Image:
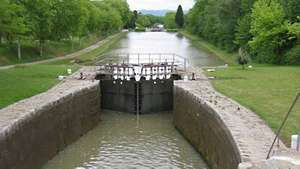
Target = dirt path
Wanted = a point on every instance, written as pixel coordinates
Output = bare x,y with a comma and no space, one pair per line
69,56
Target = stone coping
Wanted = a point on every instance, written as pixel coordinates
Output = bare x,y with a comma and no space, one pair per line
13,115
252,135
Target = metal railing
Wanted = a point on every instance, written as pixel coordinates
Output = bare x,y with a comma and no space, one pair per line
282,125
142,58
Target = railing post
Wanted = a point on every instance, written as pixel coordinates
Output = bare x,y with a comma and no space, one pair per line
184,64
160,58
128,58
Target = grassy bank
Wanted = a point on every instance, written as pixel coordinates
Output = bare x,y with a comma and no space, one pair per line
30,49
22,82
267,90
106,46
25,81
229,58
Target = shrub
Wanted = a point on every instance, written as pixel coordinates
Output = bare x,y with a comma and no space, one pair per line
293,55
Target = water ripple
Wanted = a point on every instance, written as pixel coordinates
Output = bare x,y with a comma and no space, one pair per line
123,143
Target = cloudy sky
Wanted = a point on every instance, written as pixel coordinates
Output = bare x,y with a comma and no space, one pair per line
160,4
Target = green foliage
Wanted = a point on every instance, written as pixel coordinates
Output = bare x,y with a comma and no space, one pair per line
269,30
243,57
215,21
293,55
143,21
169,20
266,29
57,20
179,18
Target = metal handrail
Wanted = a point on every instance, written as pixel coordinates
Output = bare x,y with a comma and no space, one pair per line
143,58
283,123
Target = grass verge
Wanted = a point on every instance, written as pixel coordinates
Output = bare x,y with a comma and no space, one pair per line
106,46
30,50
23,82
229,58
267,90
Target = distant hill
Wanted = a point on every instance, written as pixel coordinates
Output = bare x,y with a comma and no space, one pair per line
155,12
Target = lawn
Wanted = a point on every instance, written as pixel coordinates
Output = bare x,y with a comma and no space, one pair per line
25,81
268,90
227,57
30,50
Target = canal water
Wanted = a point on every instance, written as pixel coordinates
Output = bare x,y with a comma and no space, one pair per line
162,42
123,141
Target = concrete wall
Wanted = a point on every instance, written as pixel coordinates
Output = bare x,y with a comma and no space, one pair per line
202,126
36,129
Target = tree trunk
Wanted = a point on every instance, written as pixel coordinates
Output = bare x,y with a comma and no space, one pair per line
79,42
72,41
41,48
19,50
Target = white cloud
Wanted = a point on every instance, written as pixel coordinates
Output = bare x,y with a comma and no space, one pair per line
160,4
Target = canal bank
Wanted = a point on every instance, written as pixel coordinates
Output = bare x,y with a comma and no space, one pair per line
211,122
34,130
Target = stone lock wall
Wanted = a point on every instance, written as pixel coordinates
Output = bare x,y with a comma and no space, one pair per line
201,125
36,129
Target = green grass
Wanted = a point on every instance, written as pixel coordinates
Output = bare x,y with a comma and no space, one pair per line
90,56
229,58
30,50
268,90
25,81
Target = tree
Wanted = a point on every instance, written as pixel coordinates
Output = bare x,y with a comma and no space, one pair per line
179,18
269,31
169,20
41,16
13,23
133,19
243,57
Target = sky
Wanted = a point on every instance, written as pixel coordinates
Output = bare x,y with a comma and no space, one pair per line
160,4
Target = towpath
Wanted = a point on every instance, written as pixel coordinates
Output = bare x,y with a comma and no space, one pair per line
69,56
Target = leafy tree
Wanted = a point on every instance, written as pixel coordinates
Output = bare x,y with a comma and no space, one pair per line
133,19
41,15
179,18
169,20
269,30
243,57
13,23
291,9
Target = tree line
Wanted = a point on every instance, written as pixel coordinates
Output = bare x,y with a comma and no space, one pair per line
268,31
55,20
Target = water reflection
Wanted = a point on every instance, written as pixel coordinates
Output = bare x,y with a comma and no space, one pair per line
163,42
